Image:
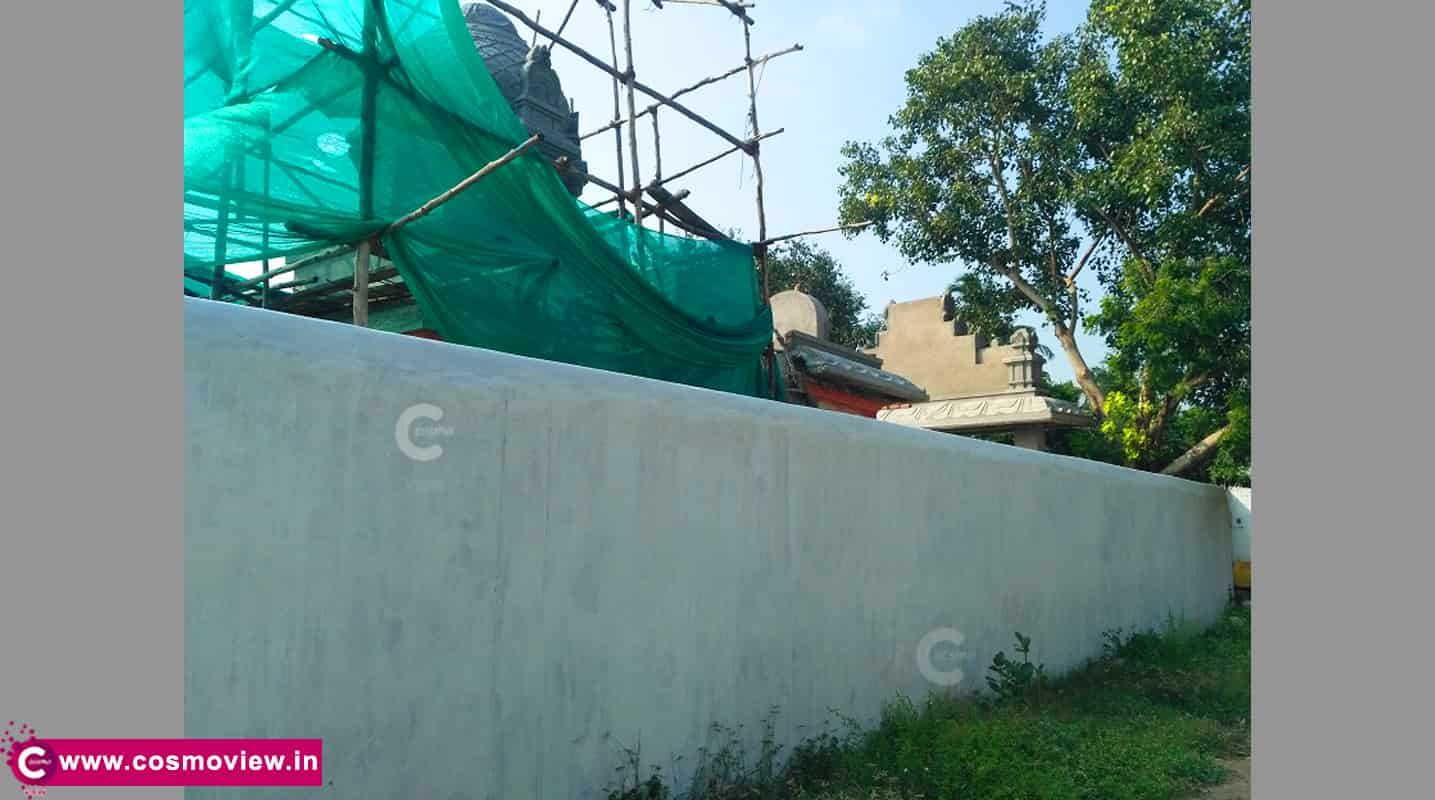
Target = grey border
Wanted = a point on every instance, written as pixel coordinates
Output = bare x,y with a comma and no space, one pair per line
90,549
1342,210
90,554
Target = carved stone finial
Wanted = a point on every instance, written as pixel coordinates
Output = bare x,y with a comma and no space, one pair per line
539,54
1023,367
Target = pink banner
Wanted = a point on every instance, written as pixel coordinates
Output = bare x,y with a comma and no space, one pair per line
168,762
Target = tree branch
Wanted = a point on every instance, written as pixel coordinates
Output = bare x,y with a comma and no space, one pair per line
1199,453
1095,243
999,178
1157,430
1207,207
1071,279
1126,239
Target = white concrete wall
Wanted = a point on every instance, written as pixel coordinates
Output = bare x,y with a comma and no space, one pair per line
1239,501
594,554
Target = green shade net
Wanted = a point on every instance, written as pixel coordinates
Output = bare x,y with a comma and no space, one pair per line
319,122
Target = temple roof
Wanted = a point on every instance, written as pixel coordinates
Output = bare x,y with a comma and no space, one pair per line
526,77
503,50
843,366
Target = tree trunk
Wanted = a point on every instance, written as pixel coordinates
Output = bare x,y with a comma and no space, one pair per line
1199,454
1084,378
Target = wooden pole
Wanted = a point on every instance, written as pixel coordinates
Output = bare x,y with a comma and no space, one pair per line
563,164
738,9
635,83
221,238
564,23
629,79
657,163
756,159
678,196
264,235
361,283
428,208
785,237
700,84
717,157
366,161
361,259
322,255
617,110
759,250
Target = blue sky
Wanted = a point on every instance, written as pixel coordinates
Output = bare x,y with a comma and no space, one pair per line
843,85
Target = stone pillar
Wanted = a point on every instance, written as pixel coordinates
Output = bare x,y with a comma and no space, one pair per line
1033,438
1023,368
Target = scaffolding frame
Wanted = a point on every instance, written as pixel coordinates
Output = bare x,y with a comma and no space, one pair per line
369,286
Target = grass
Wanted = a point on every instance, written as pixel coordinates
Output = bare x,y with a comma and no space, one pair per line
1149,719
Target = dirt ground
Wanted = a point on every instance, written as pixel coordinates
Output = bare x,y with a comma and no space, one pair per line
1238,785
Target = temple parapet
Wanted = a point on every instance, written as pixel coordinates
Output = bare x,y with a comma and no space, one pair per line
978,384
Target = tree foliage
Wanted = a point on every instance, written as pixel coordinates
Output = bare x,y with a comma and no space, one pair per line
1122,148
796,262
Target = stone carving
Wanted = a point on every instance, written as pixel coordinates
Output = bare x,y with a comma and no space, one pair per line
528,81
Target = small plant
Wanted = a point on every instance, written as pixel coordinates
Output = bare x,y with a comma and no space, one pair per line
1112,640
653,788
1010,679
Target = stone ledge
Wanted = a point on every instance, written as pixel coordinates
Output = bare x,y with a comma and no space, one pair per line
987,413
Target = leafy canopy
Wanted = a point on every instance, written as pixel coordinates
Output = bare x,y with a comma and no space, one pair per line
1122,148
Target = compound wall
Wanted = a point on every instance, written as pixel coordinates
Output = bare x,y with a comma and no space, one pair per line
476,575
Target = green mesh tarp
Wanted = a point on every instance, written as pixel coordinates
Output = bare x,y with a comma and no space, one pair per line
286,102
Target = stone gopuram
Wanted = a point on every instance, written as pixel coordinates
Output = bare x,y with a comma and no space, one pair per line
977,384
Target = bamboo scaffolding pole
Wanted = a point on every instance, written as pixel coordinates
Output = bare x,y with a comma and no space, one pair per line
564,165
688,171
636,84
700,84
221,240
719,156
628,79
272,15
661,205
785,237
483,172
740,9
617,108
322,255
657,162
367,130
566,17
756,158
759,251
709,3
264,235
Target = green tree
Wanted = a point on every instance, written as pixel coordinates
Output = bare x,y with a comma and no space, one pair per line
1122,148
796,262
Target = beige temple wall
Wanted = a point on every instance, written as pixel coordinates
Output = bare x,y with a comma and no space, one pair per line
921,347
465,570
